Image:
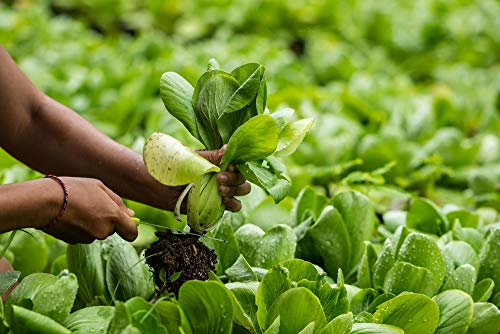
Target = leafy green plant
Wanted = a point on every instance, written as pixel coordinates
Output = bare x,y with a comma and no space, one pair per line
223,108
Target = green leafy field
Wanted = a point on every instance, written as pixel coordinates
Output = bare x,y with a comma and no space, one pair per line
392,223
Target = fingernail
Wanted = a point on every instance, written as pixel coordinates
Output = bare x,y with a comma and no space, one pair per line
222,178
131,212
224,189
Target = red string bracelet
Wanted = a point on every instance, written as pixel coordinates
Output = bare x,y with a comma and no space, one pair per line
65,203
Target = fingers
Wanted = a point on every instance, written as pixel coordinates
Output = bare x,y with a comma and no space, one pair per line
117,199
125,227
213,156
230,178
231,204
241,190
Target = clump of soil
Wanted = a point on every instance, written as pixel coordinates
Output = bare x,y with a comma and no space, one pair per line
178,253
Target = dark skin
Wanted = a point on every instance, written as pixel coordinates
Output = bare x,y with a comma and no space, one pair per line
53,139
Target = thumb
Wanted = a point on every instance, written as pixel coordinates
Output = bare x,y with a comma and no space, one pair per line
214,156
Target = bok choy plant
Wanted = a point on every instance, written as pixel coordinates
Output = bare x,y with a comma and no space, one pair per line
223,108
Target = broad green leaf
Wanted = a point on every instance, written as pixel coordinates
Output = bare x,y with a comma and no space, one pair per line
485,319
208,306
483,290
212,98
58,265
202,80
276,245
421,251
455,312
7,279
466,218
249,76
340,325
245,308
299,269
275,327
267,214
309,329
127,275
366,265
331,241
249,236
172,163
144,316
358,215
364,328
241,271
94,319
254,140
414,313
46,294
362,299
264,174
29,322
23,246
309,203
490,257
228,251
177,93
333,300
307,309
121,320
56,299
291,136
283,116
394,219
384,262
463,278
274,283
461,253
425,216
169,315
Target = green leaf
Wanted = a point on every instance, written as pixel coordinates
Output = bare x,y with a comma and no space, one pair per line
275,327
94,319
227,252
245,308
276,245
241,271
466,218
421,251
461,253
414,313
249,76
127,276
23,246
463,278
384,262
121,320
169,315
309,203
249,236
363,328
307,309
483,290
455,309
291,136
7,279
425,216
299,270
485,319
274,283
366,265
330,240
254,140
358,215
490,257
207,306
172,163
46,294
340,325
309,329
264,174
333,299
177,93
213,96
30,322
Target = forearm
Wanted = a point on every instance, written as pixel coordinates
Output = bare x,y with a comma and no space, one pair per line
29,204
51,138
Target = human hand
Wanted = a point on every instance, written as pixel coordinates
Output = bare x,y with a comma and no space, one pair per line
93,212
231,182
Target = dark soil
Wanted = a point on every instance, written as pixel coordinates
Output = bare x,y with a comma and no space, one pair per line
176,253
